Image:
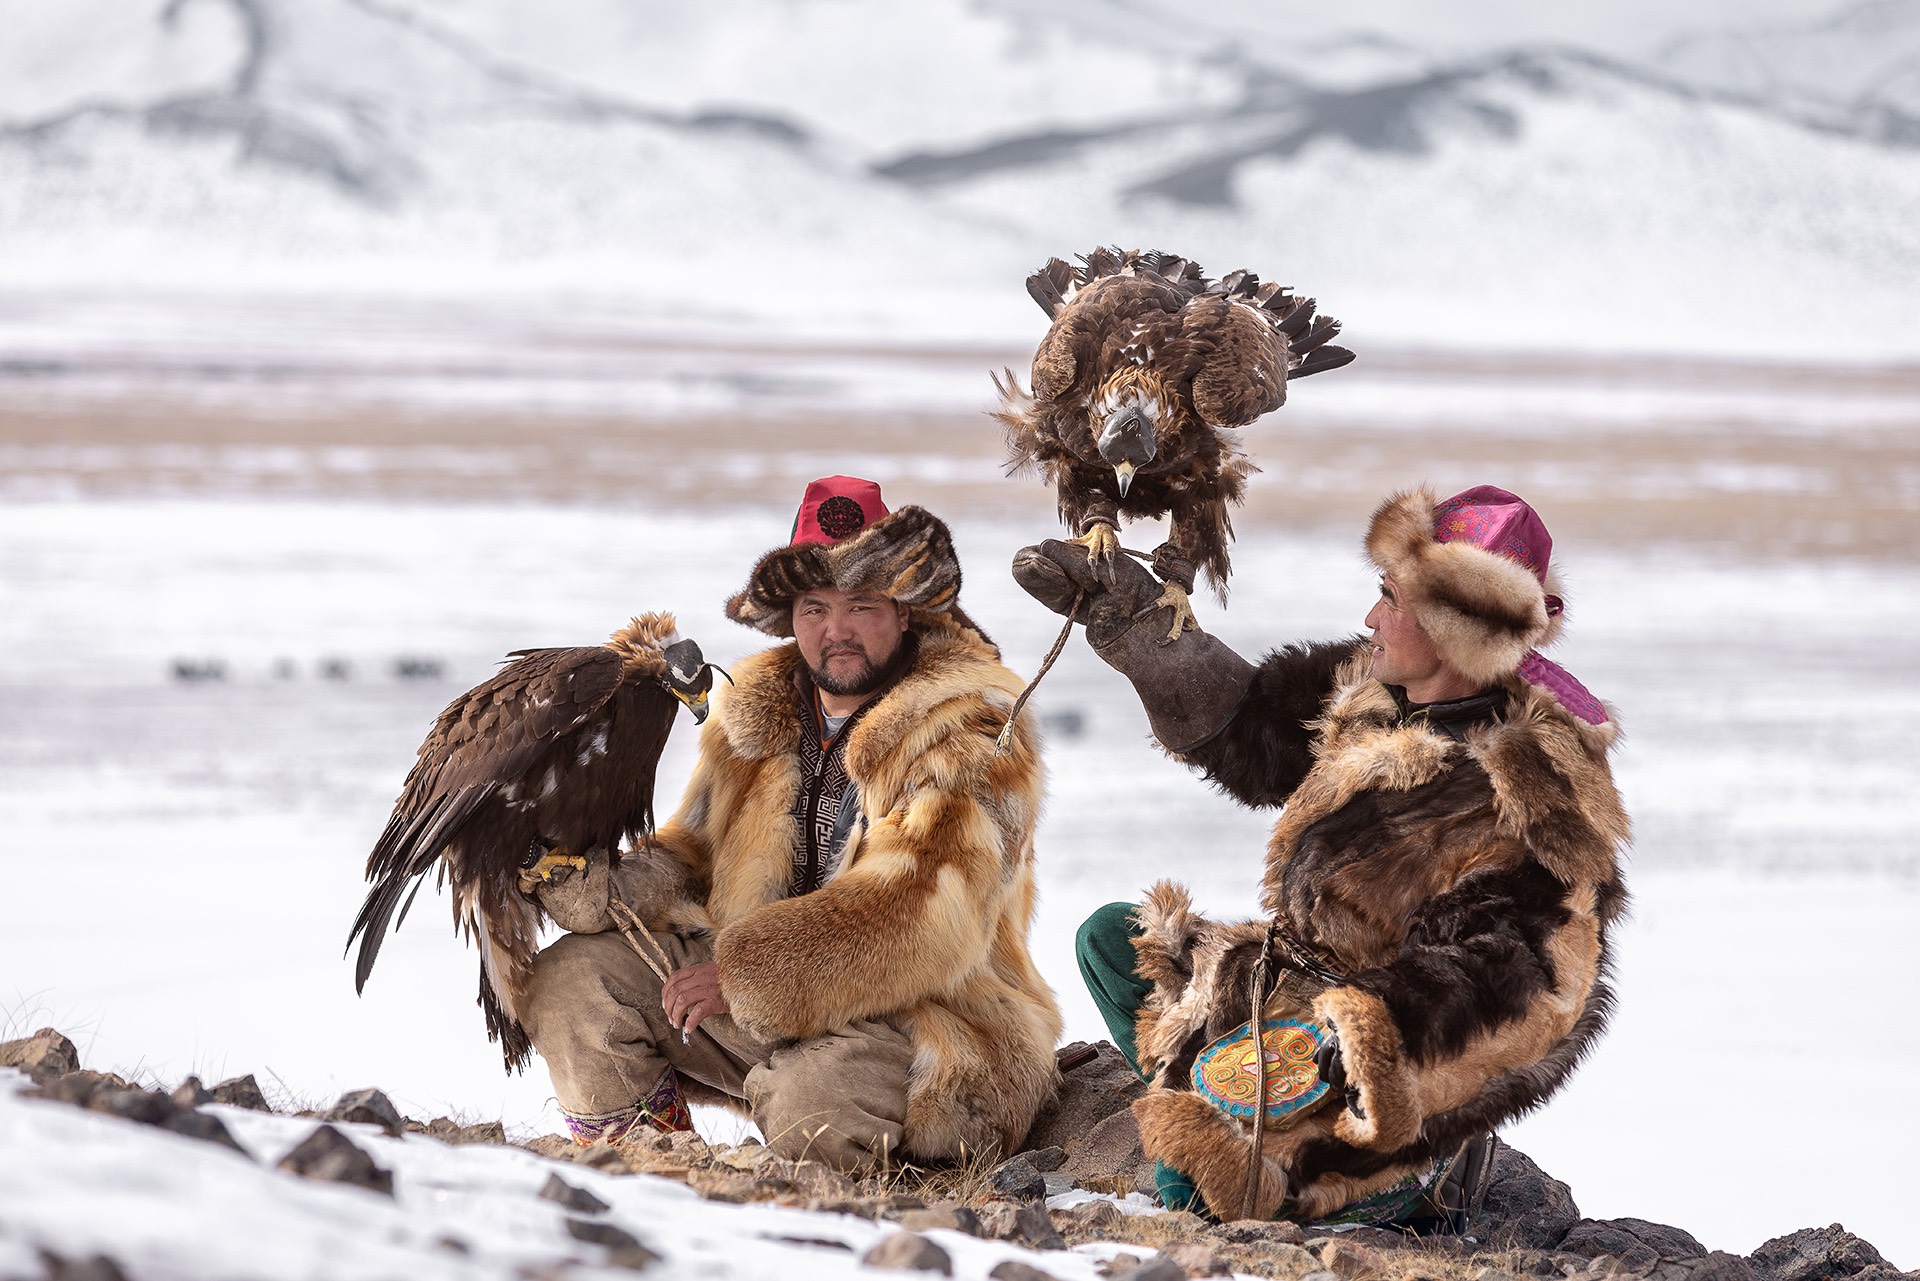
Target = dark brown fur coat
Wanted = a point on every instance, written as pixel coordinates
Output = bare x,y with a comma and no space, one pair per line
1463,888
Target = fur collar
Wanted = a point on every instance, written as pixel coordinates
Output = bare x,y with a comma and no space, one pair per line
1548,769
758,714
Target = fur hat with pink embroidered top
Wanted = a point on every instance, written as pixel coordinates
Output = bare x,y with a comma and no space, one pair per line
1475,570
844,537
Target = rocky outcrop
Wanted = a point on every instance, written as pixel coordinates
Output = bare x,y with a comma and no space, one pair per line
1528,1228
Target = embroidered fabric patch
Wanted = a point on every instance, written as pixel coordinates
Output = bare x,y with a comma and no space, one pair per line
1224,1074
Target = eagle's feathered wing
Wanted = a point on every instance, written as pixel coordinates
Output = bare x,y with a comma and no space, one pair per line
557,750
1200,356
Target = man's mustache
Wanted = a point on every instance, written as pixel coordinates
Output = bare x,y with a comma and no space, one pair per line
845,647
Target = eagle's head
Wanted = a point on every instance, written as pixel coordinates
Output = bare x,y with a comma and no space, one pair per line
1127,415
689,677
652,647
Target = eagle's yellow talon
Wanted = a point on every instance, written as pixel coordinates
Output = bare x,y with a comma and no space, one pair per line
1103,544
1175,599
547,866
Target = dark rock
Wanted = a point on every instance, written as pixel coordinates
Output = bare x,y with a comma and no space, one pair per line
76,1088
1383,1239
98,1267
330,1157
370,1107
1194,1259
740,1189
1110,1158
949,1216
489,1132
1525,1208
1090,1218
1158,1268
624,1250
559,1190
908,1251
190,1093
1350,1258
1720,1266
1640,1245
1815,1254
241,1092
1018,1181
205,1127
1027,1224
1261,1232
1014,1270
148,1107
594,1232
42,1056
1545,1263
1045,1160
1088,1094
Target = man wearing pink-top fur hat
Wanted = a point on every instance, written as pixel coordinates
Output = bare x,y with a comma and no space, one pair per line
1439,884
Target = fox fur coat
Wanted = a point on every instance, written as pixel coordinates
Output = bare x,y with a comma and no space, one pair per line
926,920
1462,886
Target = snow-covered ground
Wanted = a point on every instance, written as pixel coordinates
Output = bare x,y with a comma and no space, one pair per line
166,1206
186,857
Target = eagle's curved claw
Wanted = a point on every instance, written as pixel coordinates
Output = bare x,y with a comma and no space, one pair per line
549,866
1102,542
1173,598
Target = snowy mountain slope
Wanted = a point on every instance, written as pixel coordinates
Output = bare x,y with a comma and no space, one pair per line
857,166
1865,55
1539,199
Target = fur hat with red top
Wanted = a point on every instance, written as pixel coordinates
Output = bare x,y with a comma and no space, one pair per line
1475,570
844,537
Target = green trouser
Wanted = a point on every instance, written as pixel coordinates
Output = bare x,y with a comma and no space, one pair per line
1104,948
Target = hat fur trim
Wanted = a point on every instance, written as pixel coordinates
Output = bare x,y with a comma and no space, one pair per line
906,556
1482,611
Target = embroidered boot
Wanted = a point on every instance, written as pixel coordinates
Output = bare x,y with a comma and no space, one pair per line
665,1109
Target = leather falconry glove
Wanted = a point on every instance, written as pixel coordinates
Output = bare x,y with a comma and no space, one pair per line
1190,686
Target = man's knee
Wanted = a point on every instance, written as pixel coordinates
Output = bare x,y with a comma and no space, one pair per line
1104,943
570,978
840,1099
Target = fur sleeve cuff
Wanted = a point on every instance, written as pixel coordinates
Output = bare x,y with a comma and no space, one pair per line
1376,1063
1201,1142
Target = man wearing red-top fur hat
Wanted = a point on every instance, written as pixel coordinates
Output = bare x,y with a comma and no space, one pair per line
844,894
1440,882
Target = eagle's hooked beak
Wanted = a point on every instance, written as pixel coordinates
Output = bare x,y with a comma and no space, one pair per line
1123,475
696,703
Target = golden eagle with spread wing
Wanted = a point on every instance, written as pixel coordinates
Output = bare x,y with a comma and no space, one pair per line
1147,367
524,775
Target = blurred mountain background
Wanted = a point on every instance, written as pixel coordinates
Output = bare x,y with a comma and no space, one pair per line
1728,180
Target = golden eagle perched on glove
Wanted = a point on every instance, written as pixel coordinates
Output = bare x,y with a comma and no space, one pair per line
1146,369
519,779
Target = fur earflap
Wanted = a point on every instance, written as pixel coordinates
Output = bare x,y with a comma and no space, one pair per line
907,556
1482,611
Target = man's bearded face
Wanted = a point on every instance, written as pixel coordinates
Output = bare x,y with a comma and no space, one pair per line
848,641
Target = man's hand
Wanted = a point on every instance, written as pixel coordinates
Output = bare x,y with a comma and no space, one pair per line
691,994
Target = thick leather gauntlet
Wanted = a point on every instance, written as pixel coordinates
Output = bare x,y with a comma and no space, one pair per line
1190,687
577,900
